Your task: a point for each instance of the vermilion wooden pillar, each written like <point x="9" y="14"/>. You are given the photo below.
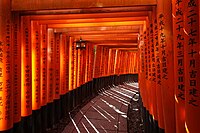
<point x="43" y="65"/>
<point x="192" y="65"/>
<point x="79" y="61"/>
<point x="63" y="65"/>
<point x="43" y="75"/>
<point x="179" y="76"/>
<point x="147" y="70"/>
<point x="164" y="14"/>
<point x="56" y="63"/>
<point x="153" y="69"/>
<point x="16" y="70"/>
<point x="71" y="49"/>
<point x="75" y="61"/>
<point x="92" y="60"/>
<point x="6" y="92"/>
<point x="157" y="52"/>
<point x="50" y="65"/>
<point x="50" y="77"/>
<point x="26" y="89"/>
<point x="67" y="59"/>
<point x="56" y="78"/>
<point x="35" y="62"/>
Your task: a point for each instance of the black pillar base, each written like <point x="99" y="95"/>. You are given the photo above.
<point x="50" y="115"/>
<point x="36" y="115"/>
<point x="44" y="118"/>
<point x="63" y="99"/>
<point x="57" y="112"/>
<point x="27" y="124"/>
<point x="17" y="128"/>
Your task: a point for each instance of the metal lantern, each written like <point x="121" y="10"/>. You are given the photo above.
<point x="80" y="44"/>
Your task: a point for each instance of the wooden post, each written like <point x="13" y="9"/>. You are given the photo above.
<point x="179" y="76"/>
<point x="158" y="73"/>
<point x="6" y="92"/>
<point x="35" y="62"/>
<point x="192" y="65"/>
<point x="164" y="14"/>
<point x="26" y="93"/>
<point x="50" y="77"/>
<point x="16" y="68"/>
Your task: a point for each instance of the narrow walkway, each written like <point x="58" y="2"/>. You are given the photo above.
<point x="105" y="113"/>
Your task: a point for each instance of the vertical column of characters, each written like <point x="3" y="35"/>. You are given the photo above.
<point x="84" y="66"/>
<point x="35" y="62"/>
<point x="141" y="49"/>
<point x="87" y="63"/>
<point x="43" y="65"/>
<point x="50" y="65"/>
<point x="100" y="60"/>
<point x="63" y="78"/>
<point x="56" y="63"/>
<point x="92" y="62"/>
<point x="6" y="92"/>
<point x="149" y="81"/>
<point x="106" y="62"/>
<point x="192" y="65"/>
<point x="16" y="69"/>
<point x="109" y="62"/>
<point x="157" y="52"/>
<point x="67" y="63"/>
<point x="146" y="69"/>
<point x="167" y="63"/>
<point x="26" y="90"/>
<point x="71" y="63"/>
<point x="179" y="76"/>
<point x="81" y="67"/>
<point x="75" y="60"/>
<point x="153" y="68"/>
<point x="79" y="61"/>
<point x="96" y="61"/>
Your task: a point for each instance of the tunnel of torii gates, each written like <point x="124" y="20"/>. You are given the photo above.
<point x="43" y="76"/>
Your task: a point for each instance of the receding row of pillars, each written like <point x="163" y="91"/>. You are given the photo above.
<point x="169" y="65"/>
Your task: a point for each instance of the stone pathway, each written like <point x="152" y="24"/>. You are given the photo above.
<point x="106" y="113"/>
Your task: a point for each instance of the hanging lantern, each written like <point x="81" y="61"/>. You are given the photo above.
<point x="81" y="44"/>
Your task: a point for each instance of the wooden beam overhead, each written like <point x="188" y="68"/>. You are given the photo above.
<point x="133" y="28"/>
<point x="52" y="16"/>
<point x="22" y="5"/>
<point x="118" y="42"/>
<point x="125" y="23"/>
<point x="92" y="20"/>
<point x="89" y="10"/>
<point x="135" y="32"/>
